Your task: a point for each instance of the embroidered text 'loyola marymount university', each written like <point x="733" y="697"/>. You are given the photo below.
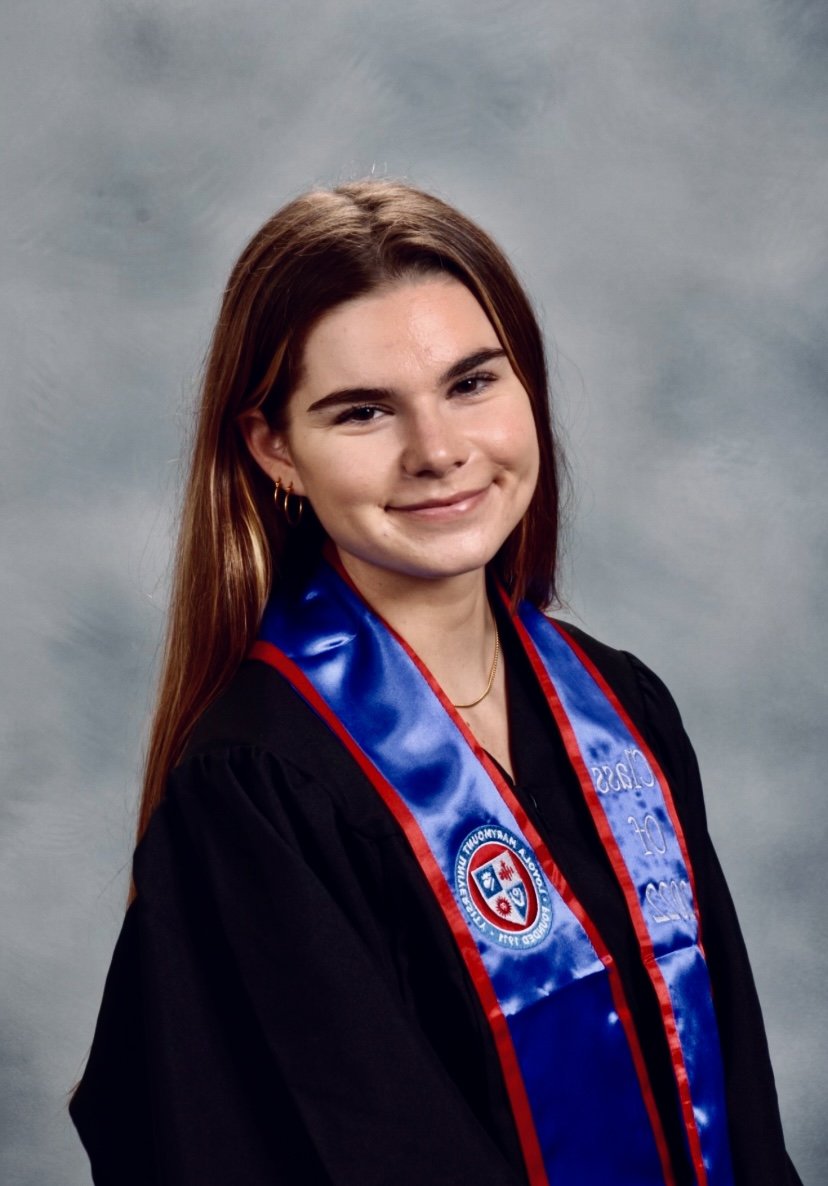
<point x="570" y="1057"/>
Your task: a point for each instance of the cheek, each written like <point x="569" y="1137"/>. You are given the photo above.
<point x="338" y="478"/>
<point x="516" y="445"/>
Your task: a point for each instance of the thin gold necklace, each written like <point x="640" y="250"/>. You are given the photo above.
<point x="492" y="674"/>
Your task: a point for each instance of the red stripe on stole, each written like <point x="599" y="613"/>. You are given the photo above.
<point x="513" y="1078"/>
<point x="619" y="865"/>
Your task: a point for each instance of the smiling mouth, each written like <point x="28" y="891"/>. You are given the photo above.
<point x="464" y="500"/>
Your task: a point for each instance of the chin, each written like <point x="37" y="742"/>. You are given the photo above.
<point x="435" y="560"/>
<point x="433" y="568"/>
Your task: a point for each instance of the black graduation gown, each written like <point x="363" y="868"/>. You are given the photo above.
<point x="286" y="1004"/>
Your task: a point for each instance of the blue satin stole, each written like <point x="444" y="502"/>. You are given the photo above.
<point x="579" y="1091"/>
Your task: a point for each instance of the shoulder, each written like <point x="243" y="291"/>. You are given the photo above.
<point x="621" y="670"/>
<point x="262" y="781"/>
<point x="257" y="708"/>
<point x="643" y="694"/>
<point x="260" y="712"/>
<point x="260" y="744"/>
<point x="653" y="711"/>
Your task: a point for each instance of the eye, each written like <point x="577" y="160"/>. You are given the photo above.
<point x="472" y="384"/>
<point x="358" y="414"/>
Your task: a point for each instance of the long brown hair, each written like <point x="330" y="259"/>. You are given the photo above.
<point x="323" y="248"/>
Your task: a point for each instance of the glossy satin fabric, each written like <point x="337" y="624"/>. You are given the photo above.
<point x="567" y="1062"/>
<point x="632" y="807"/>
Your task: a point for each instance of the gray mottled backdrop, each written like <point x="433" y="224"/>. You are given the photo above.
<point x="657" y="169"/>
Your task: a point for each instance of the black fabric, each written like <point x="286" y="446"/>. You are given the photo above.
<point x="286" y="1003"/>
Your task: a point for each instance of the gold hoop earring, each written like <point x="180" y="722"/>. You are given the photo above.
<point x="293" y="518"/>
<point x="281" y="496"/>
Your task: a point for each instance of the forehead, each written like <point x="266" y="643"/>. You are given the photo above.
<point x="421" y="324"/>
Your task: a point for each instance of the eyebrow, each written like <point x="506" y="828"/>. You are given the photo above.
<point x="350" y="395"/>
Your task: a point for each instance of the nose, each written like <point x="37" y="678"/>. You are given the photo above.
<point x="433" y="444"/>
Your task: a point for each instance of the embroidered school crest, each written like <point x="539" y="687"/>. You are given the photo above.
<point x="502" y="889"/>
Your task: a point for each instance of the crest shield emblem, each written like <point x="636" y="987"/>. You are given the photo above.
<point x="502" y="888"/>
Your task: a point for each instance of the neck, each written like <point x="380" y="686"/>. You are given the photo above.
<point x="446" y="622"/>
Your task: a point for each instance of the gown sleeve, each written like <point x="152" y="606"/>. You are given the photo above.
<point x="247" y="1033"/>
<point x="753" y="1109"/>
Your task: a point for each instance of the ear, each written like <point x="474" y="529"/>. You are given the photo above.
<point x="269" y="449"/>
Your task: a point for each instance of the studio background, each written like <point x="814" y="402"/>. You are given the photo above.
<point x="657" y="171"/>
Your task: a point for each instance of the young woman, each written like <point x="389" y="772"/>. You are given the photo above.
<point x="424" y="891"/>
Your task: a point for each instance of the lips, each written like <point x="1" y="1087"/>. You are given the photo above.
<point x="449" y="500"/>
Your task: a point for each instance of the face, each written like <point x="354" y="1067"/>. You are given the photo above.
<point x="410" y="434"/>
